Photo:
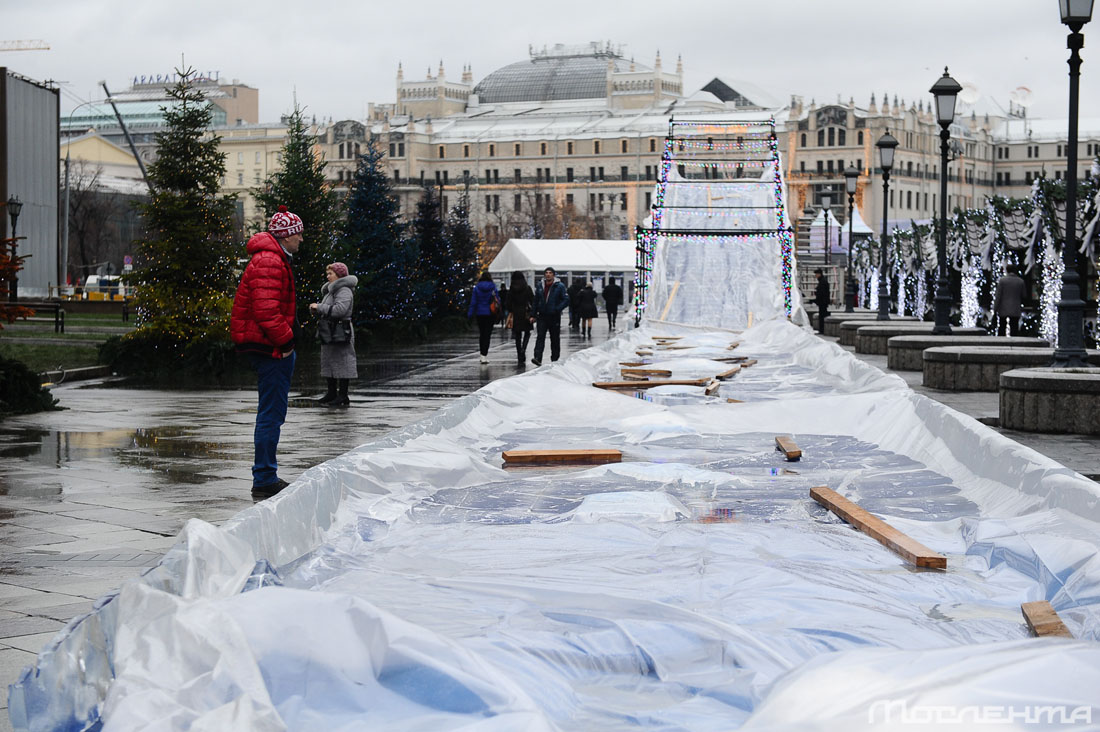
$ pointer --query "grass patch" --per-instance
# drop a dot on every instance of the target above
(40, 358)
(17, 333)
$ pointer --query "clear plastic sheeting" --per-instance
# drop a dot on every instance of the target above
(416, 583)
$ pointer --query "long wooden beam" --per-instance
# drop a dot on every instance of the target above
(645, 373)
(1043, 620)
(908, 548)
(541, 457)
(652, 382)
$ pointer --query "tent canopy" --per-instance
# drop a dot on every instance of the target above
(565, 255)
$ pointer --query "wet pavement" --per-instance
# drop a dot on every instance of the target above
(94, 494)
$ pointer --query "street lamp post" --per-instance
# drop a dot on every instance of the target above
(885, 145)
(14, 207)
(946, 91)
(826, 202)
(1071, 309)
(851, 180)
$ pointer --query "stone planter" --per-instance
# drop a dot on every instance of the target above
(873, 338)
(906, 353)
(846, 329)
(1051, 400)
(976, 368)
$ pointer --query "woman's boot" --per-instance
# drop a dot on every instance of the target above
(330, 395)
(342, 398)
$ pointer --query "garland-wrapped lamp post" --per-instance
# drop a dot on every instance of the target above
(1071, 309)
(851, 179)
(946, 91)
(14, 207)
(885, 145)
(826, 202)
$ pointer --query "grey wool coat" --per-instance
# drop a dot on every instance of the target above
(337, 301)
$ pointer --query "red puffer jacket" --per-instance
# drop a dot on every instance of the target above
(263, 310)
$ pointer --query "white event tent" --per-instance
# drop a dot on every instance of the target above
(593, 259)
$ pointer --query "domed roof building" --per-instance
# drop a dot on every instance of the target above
(561, 73)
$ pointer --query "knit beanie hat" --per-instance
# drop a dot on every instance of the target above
(284, 224)
(339, 269)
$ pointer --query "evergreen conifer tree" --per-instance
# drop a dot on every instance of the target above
(435, 256)
(463, 246)
(384, 261)
(184, 275)
(300, 186)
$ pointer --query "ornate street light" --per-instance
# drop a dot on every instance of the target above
(1071, 309)
(946, 91)
(851, 180)
(826, 202)
(885, 145)
(14, 207)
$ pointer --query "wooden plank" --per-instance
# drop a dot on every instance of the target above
(712, 387)
(633, 363)
(727, 374)
(644, 352)
(750, 319)
(542, 457)
(652, 382)
(668, 338)
(1043, 620)
(670, 347)
(787, 446)
(736, 401)
(633, 373)
(733, 345)
(749, 362)
(908, 548)
(671, 297)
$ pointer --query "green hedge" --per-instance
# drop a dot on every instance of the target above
(21, 390)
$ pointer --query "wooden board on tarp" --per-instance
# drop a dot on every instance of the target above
(645, 373)
(905, 546)
(1043, 620)
(652, 382)
(712, 387)
(551, 457)
(788, 447)
(729, 373)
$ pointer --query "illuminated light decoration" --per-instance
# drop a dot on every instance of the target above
(757, 144)
(968, 301)
(873, 294)
(1052, 269)
(921, 302)
(689, 163)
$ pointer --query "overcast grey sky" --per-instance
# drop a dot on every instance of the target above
(341, 54)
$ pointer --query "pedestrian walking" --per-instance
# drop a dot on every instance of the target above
(1008, 302)
(574, 318)
(504, 307)
(550, 300)
(485, 305)
(335, 331)
(520, 304)
(586, 309)
(263, 327)
(612, 299)
(821, 297)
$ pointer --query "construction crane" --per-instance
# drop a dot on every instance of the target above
(24, 46)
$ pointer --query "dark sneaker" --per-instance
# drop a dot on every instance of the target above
(259, 492)
(537, 361)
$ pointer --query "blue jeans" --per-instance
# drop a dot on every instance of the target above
(274, 390)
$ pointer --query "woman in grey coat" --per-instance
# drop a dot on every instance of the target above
(338, 364)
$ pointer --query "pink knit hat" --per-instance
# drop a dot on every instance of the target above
(339, 269)
(284, 224)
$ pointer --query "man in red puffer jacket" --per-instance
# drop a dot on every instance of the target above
(262, 327)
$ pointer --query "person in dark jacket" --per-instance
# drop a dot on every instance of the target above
(612, 299)
(573, 291)
(586, 309)
(338, 363)
(520, 303)
(504, 306)
(550, 300)
(262, 326)
(481, 306)
(1008, 302)
(821, 297)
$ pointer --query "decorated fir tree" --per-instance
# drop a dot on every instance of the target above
(300, 186)
(183, 280)
(465, 265)
(384, 260)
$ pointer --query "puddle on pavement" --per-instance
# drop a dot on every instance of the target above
(146, 448)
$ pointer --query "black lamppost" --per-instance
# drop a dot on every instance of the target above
(851, 180)
(1071, 309)
(885, 145)
(14, 207)
(826, 202)
(946, 91)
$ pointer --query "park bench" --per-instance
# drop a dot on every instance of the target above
(58, 318)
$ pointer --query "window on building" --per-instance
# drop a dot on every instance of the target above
(517, 177)
(465, 151)
(400, 149)
(820, 166)
(649, 199)
(546, 174)
(624, 173)
(1027, 177)
(518, 149)
(240, 158)
(592, 174)
(542, 148)
(649, 172)
(258, 158)
(891, 198)
(340, 152)
(569, 148)
(568, 199)
(422, 177)
(240, 179)
(830, 166)
(568, 175)
(442, 151)
(444, 179)
(591, 201)
(517, 202)
(841, 138)
(596, 147)
(653, 144)
(600, 171)
(821, 138)
(496, 175)
(492, 150)
(801, 166)
(859, 137)
(623, 146)
(1058, 154)
(926, 201)
(438, 177)
(909, 199)
(622, 201)
(832, 136)
(803, 139)
(488, 204)
(396, 176)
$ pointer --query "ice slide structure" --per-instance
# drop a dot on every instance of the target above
(415, 583)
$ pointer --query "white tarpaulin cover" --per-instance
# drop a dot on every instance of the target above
(565, 255)
(416, 584)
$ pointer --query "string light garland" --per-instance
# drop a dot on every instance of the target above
(1052, 268)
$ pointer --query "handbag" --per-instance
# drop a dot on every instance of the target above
(494, 306)
(333, 332)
